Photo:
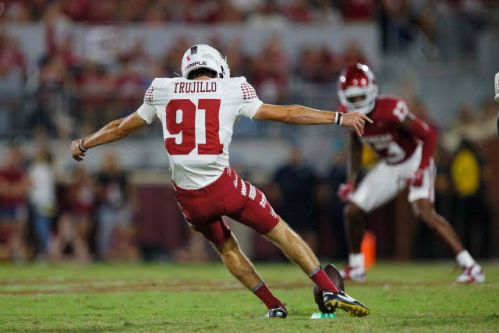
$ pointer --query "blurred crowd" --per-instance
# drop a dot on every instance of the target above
(153, 12)
(68, 89)
(49, 215)
(66, 86)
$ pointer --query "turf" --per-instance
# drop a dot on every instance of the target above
(205, 298)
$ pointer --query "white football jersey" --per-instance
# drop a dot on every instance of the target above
(198, 117)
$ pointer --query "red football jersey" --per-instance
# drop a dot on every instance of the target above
(385, 135)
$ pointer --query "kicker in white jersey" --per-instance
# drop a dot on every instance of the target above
(198, 117)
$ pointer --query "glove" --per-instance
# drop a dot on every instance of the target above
(417, 178)
(345, 191)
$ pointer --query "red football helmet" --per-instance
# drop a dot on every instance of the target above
(357, 88)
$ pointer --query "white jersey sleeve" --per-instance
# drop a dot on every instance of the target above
(250, 101)
(155, 95)
(147, 112)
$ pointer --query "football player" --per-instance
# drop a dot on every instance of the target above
(405, 145)
(198, 112)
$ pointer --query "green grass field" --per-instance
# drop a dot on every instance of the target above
(205, 298)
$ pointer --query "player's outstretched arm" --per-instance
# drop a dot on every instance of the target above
(115, 130)
(302, 115)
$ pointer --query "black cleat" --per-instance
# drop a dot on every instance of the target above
(278, 312)
(340, 300)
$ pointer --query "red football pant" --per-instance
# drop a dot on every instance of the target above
(231, 196)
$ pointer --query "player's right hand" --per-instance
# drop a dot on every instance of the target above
(345, 191)
(355, 120)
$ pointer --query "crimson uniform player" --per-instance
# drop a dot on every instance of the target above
(405, 145)
(198, 112)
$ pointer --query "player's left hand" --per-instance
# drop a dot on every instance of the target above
(417, 178)
(76, 152)
(355, 120)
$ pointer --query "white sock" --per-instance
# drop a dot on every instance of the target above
(464, 259)
(356, 260)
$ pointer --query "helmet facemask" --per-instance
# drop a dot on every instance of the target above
(359, 99)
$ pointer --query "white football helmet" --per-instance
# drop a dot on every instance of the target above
(357, 88)
(204, 56)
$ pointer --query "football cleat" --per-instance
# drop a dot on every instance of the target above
(278, 312)
(472, 274)
(340, 300)
(357, 274)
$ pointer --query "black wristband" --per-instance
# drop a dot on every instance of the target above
(338, 118)
(80, 146)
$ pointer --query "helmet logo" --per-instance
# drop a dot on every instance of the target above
(196, 63)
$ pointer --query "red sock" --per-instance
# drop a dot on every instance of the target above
(265, 295)
(323, 281)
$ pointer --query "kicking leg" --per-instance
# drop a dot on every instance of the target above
(224, 241)
(255, 212)
(295, 248)
(423, 208)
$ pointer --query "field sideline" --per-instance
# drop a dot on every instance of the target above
(412, 297)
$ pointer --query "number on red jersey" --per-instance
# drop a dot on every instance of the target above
(400, 111)
(181, 120)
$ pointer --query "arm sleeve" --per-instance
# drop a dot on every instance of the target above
(250, 102)
(147, 112)
(428, 135)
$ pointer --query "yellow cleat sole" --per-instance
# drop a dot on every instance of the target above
(353, 310)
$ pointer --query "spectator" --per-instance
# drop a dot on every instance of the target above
(353, 54)
(115, 234)
(267, 14)
(224, 12)
(298, 11)
(12, 79)
(43, 200)
(14, 187)
(397, 30)
(128, 90)
(17, 12)
(95, 89)
(270, 71)
(50, 94)
(320, 66)
(357, 9)
(297, 204)
(76, 222)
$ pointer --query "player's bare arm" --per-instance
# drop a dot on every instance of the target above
(302, 115)
(115, 130)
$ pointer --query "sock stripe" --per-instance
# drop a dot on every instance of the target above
(258, 286)
(315, 271)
